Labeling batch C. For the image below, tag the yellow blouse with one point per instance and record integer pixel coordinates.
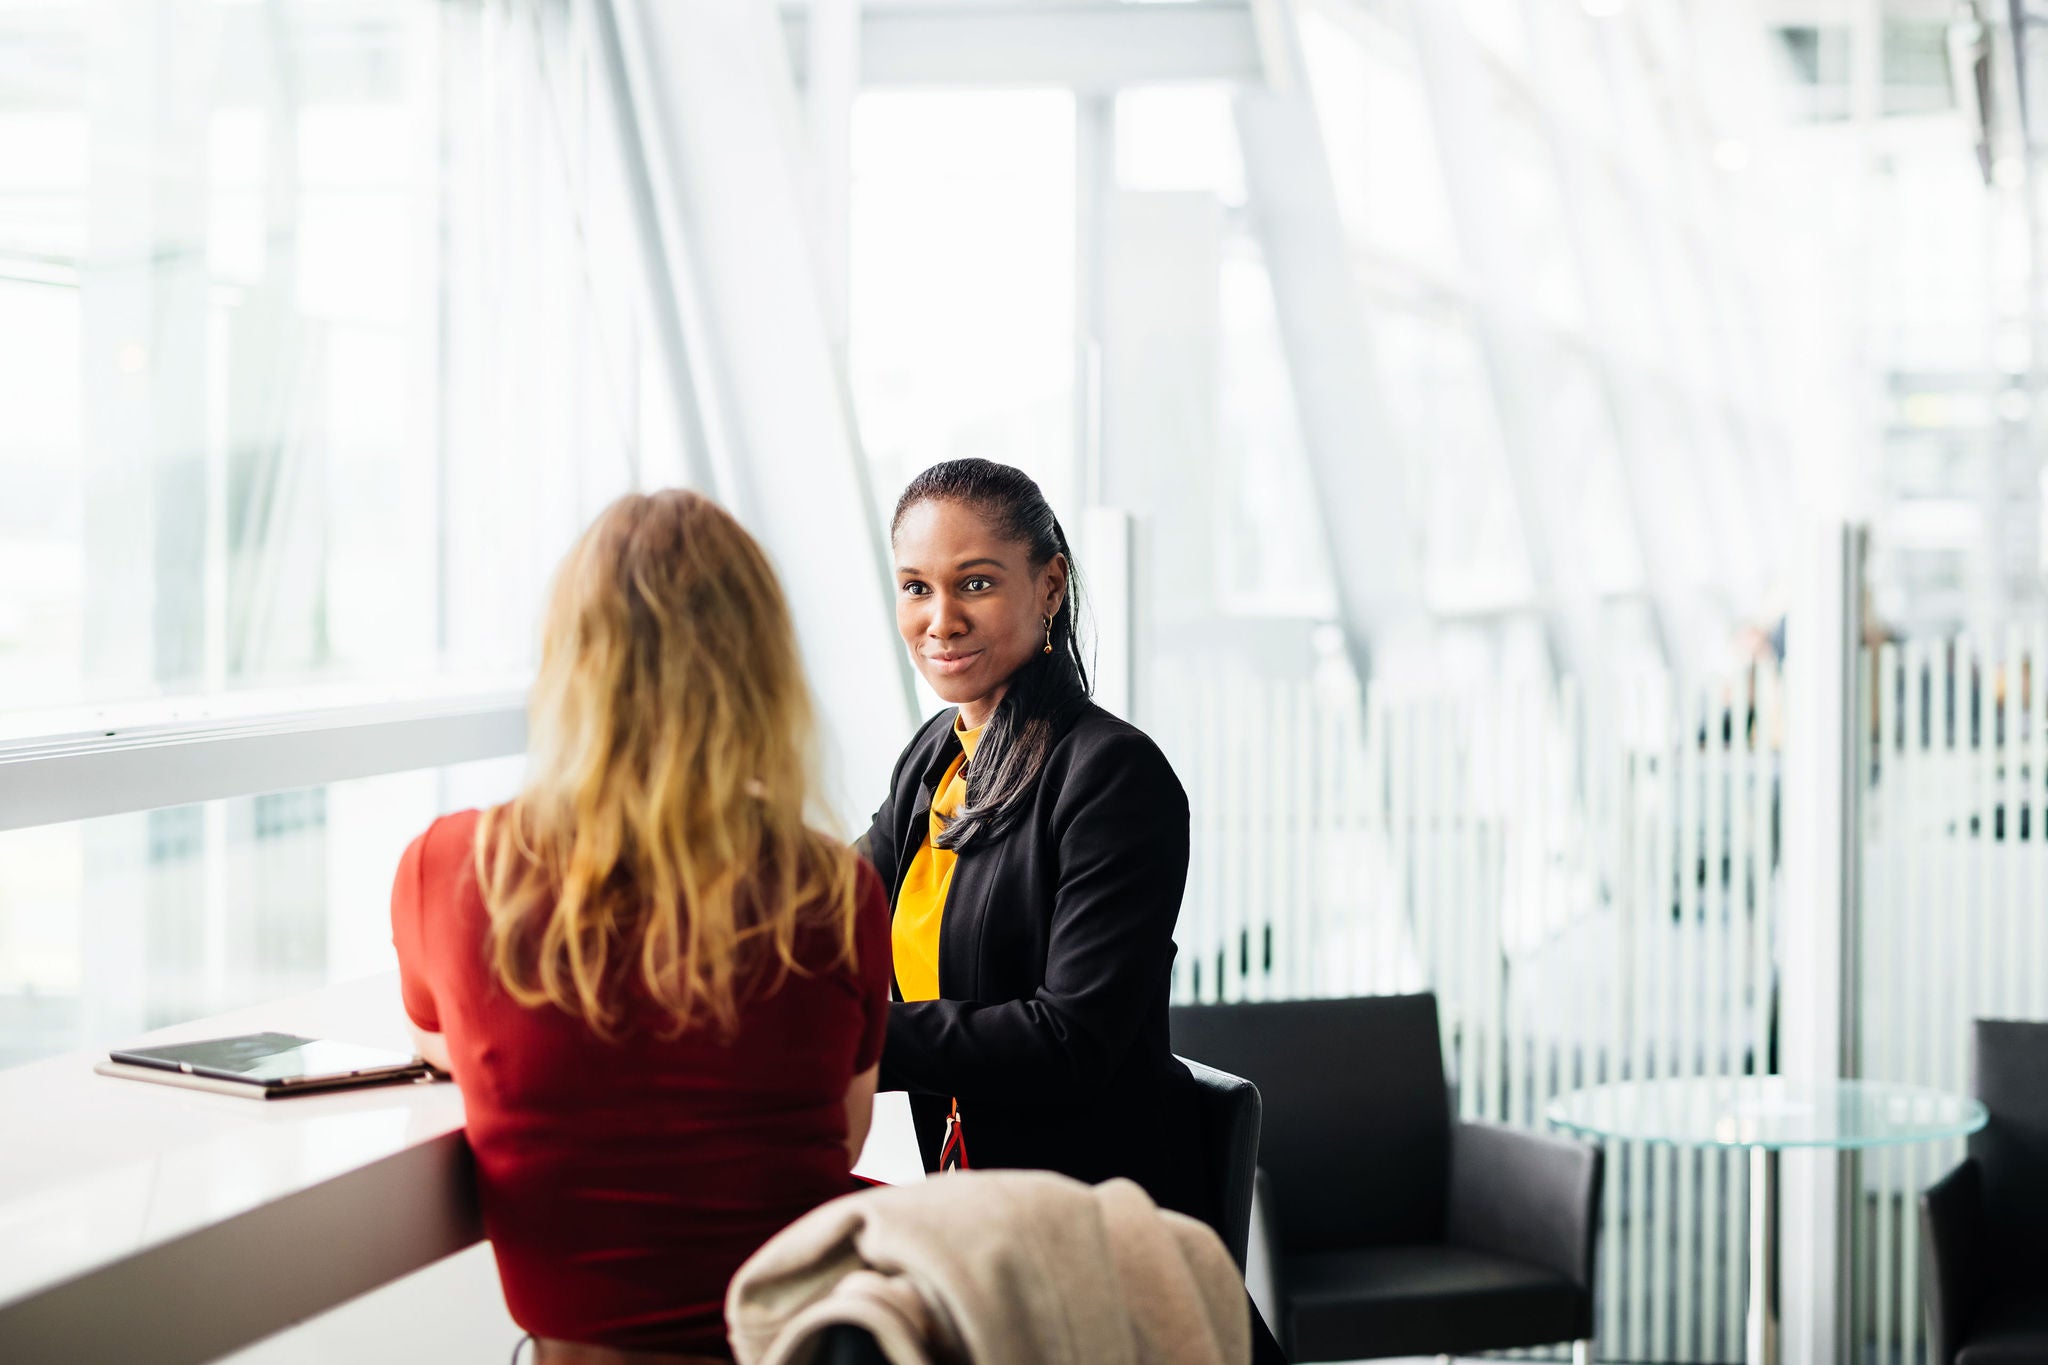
(921, 903)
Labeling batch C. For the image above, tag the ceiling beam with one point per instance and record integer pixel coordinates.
(1085, 47)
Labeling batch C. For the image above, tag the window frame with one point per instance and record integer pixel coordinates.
(62, 766)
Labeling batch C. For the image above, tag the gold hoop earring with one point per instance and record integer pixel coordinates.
(1048, 635)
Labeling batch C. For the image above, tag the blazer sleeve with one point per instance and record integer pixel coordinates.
(878, 845)
(1120, 832)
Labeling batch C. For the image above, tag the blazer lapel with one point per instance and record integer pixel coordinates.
(913, 825)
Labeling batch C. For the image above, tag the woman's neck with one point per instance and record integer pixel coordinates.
(974, 714)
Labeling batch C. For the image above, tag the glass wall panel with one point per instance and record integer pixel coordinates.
(1574, 71)
(1667, 460)
(1275, 561)
(114, 926)
(1501, 28)
(1918, 76)
(1441, 402)
(316, 341)
(1531, 197)
(1269, 552)
(1631, 308)
(1648, 145)
(1581, 483)
(1686, 308)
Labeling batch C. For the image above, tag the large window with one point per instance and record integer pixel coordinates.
(1476, 556)
(315, 342)
(321, 334)
(1177, 147)
(962, 302)
(1385, 162)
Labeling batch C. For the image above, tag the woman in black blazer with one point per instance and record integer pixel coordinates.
(1054, 936)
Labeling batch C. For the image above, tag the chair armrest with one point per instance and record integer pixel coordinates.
(1262, 1258)
(1532, 1196)
(1952, 1229)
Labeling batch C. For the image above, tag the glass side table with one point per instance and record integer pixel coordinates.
(1765, 1114)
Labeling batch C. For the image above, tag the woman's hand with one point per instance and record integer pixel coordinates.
(860, 1112)
(433, 1049)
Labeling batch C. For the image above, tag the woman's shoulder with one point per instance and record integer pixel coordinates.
(443, 850)
(432, 875)
(870, 901)
(1094, 729)
(867, 883)
(822, 930)
(457, 829)
(1099, 743)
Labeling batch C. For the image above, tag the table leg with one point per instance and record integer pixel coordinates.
(1762, 1343)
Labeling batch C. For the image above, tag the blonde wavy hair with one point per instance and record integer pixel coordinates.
(661, 834)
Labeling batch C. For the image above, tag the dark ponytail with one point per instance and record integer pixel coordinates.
(1049, 688)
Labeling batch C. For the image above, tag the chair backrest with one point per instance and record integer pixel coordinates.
(1229, 1110)
(1355, 1122)
(2012, 1149)
(843, 1343)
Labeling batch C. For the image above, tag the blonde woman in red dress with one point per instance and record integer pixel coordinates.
(662, 993)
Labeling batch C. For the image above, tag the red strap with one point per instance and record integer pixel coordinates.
(953, 1151)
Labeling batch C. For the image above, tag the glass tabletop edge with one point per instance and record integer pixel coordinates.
(1976, 1119)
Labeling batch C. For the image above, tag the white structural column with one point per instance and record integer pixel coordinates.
(1360, 483)
(1817, 956)
(722, 126)
(1094, 187)
(1107, 535)
(1159, 445)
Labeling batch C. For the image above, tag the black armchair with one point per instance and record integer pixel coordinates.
(1229, 1110)
(1984, 1275)
(1392, 1228)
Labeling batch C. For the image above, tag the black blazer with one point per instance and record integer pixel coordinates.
(1055, 957)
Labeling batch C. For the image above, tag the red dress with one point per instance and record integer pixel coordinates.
(623, 1183)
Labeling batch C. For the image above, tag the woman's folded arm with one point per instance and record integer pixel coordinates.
(1122, 830)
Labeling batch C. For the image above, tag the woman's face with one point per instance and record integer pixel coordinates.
(968, 604)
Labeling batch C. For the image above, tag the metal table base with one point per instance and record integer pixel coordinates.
(1761, 1336)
